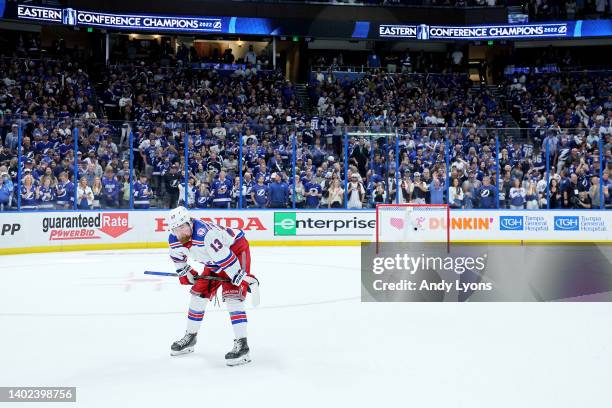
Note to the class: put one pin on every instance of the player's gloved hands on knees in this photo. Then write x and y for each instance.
(186, 275)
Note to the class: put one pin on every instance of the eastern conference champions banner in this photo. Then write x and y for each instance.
(266, 26)
(69, 16)
(426, 272)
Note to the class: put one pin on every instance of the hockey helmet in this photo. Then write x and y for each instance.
(177, 217)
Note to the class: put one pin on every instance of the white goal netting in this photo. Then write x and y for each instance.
(412, 223)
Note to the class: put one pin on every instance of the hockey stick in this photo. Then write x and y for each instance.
(251, 280)
(206, 277)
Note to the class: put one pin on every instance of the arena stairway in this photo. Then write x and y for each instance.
(301, 91)
(513, 128)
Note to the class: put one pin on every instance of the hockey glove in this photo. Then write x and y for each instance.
(237, 279)
(186, 275)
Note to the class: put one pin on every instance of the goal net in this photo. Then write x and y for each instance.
(413, 223)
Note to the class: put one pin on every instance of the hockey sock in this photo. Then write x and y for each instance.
(197, 306)
(238, 317)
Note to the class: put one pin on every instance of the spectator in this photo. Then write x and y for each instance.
(202, 198)
(46, 193)
(125, 191)
(313, 193)
(436, 189)
(278, 192)
(356, 192)
(517, 195)
(98, 192)
(469, 195)
(419, 189)
(373, 60)
(222, 191)
(228, 57)
(111, 189)
(85, 195)
(455, 194)
(406, 63)
(6, 191)
(571, 192)
(250, 57)
(28, 192)
(487, 194)
(189, 193)
(143, 194)
(379, 195)
(65, 192)
(584, 201)
(594, 193)
(532, 197)
(172, 181)
(555, 194)
(300, 194)
(259, 193)
(12, 138)
(247, 188)
(607, 189)
(336, 194)
(91, 174)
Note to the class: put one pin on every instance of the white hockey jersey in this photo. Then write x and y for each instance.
(210, 244)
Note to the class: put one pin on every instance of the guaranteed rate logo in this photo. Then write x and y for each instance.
(84, 226)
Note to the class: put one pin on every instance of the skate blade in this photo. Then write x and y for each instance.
(185, 351)
(238, 361)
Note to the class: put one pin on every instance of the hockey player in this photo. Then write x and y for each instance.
(225, 253)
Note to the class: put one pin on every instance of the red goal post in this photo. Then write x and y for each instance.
(413, 223)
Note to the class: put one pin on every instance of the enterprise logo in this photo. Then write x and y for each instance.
(567, 223)
(511, 223)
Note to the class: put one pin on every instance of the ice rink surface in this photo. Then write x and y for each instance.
(94, 321)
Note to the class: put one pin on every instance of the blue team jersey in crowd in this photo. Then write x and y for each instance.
(28, 198)
(65, 192)
(202, 200)
(486, 196)
(222, 191)
(261, 194)
(47, 195)
(111, 187)
(141, 195)
(312, 201)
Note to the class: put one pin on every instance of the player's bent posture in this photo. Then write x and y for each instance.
(225, 254)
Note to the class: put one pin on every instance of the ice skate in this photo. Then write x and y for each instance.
(184, 345)
(239, 354)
